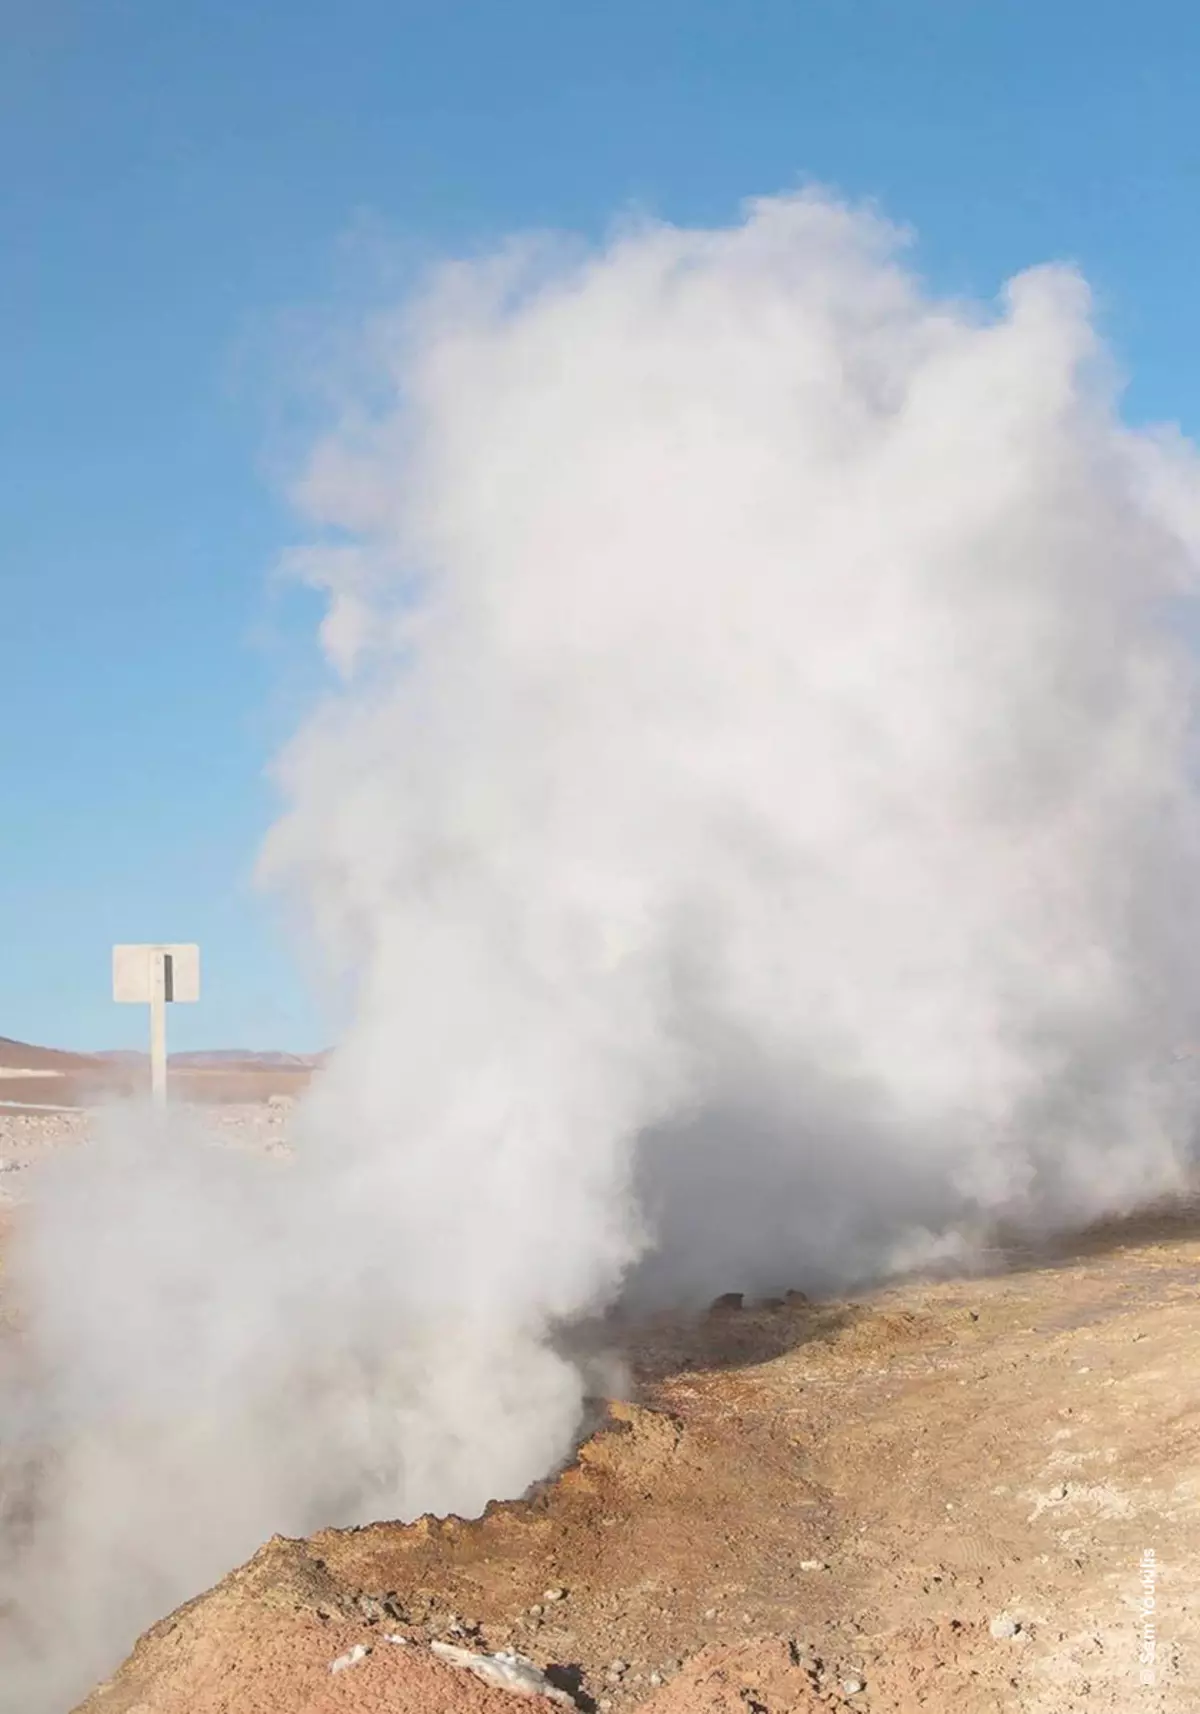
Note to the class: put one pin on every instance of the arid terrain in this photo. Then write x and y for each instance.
(938, 1498)
(952, 1495)
(41, 1077)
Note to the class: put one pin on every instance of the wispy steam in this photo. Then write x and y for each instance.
(760, 819)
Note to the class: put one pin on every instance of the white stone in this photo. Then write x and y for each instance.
(350, 1658)
(506, 1670)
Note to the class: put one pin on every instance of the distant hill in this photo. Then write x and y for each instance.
(24, 1056)
(220, 1059)
(246, 1058)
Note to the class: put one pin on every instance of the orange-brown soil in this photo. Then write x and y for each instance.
(801, 1507)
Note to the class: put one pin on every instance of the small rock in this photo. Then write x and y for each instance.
(535, 1612)
(852, 1686)
(350, 1658)
(655, 1678)
(1059, 1491)
(553, 1594)
(710, 1612)
(812, 1565)
(618, 1668)
(394, 1637)
(1003, 1627)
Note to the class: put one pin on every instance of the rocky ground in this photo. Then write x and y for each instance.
(947, 1496)
(28, 1135)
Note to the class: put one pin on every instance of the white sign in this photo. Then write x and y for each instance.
(154, 976)
(134, 973)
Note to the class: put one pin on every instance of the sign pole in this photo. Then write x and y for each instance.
(158, 1027)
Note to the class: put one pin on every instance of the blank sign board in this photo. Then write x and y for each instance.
(134, 973)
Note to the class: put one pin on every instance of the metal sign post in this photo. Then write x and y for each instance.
(156, 976)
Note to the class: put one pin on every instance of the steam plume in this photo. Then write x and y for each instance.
(760, 820)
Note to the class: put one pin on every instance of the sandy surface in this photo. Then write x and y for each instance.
(804, 1506)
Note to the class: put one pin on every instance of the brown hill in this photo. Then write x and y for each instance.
(24, 1056)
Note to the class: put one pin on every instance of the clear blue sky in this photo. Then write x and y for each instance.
(187, 185)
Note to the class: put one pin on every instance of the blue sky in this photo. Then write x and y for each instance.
(189, 190)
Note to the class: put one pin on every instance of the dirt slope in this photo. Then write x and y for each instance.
(25, 1056)
(804, 1500)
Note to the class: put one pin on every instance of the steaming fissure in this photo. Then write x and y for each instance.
(759, 812)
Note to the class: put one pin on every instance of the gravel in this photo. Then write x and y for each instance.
(28, 1138)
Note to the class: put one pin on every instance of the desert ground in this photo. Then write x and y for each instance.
(955, 1494)
(41, 1079)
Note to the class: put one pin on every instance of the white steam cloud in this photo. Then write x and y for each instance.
(760, 818)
